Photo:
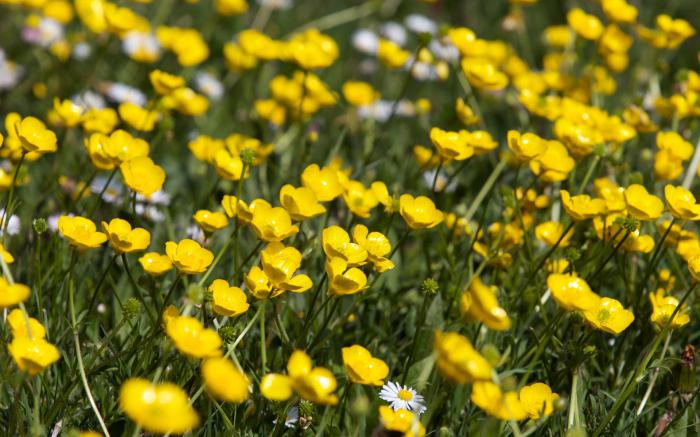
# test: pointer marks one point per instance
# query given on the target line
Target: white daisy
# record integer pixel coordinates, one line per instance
(402, 397)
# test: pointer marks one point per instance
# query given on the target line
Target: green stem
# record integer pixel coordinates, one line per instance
(485, 189)
(10, 197)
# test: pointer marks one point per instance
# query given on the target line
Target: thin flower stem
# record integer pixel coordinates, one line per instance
(610, 255)
(101, 281)
(435, 178)
(589, 173)
(10, 197)
(263, 346)
(485, 189)
(125, 261)
(645, 398)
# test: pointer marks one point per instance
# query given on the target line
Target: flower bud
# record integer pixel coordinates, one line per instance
(40, 226)
(429, 286)
(131, 308)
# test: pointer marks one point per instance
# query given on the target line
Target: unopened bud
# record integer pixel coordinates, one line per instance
(40, 225)
(131, 308)
(429, 286)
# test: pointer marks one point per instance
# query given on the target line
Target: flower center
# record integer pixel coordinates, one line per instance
(603, 315)
(405, 395)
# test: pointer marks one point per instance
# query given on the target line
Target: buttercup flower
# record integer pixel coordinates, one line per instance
(80, 232)
(226, 300)
(155, 264)
(18, 322)
(142, 175)
(401, 421)
(537, 400)
(12, 294)
(681, 203)
(402, 397)
(123, 238)
(32, 355)
(642, 205)
(609, 316)
(581, 207)
(587, 26)
(572, 293)
(159, 408)
(376, 244)
(483, 74)
(451, 145)
(193, 339)
(300, 202)
(272, 224)
(223, 379)
(343, 279)
(336, 243)
(165, 83)
(188, 256)
(551, 232)
(480, 303)
(457, 359)
(210, 221)
(323, 182)
(526, 146)
(419, 212)
(34, 136)
(280, 264)
(663, 306)
(315, 384)
(362, 367)
(505, 406)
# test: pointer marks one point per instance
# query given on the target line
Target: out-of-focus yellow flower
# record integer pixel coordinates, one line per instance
(676, 30)
(377, 246)
(465, 113)
(401, 421)
(300, 203)
(362, 367)
(681, 203)
(537, 400)
(358, 93)
(550, 232)
(587, 26)
(425, 157)
(193, 339)
(315, 384)
(323, 182)
(187, 44)
(80, 232)
(642, 205)
(505, 406)
(639, 119)
(558, 36)
(205, 147)
(526, 147)
(675, 144)
(226, 300)
(480, 303)
(343, 279)
(155, 264)
(188, 256)
(123, 238)
(165, 83)
(481, 141)
(223, 379)
(32, 355)
(663, 306)
(450, 144)
(228, 8)
(6, 255)
(158, 408)
(210, 221)
(100, 120)
(611, 193)
(34, 136)
(107, 152)
(138, 118)
(238, 59)
(579, 138)
(457, 359)
(18, 325)
(228, 166)
(12, 294)
(571, 292)
(186, 101)
(484, 74)
(554, 164)
(142, 175)
(68, 113)
(311, 49)
(272, 223)
(391, 54)
(581, 207)
(609, 316)
(419, 212)
(619, 11)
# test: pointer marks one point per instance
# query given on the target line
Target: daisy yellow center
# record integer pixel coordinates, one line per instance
(405, 395)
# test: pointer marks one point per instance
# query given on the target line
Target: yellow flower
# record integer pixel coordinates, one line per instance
(311, 49)
(620, 11)
(451, 145)
(336, 243)
(258, 284)
(481, 141)
(360, 199)
(457, 359)
(237, 208)
(210, 221)
(123, 238)
(483, 74)
(280, 264)
(187, 44)
(272, 224)
(505, 406)
(34, 136)
(609, 316)
(425, 157)
(32, 355)
(80, 232)
(68, 113)
(158, 408)
(12, 294)
(193, 339)
(343, 279)
(419, 212)
(681, 203)
(315, 384)
(377, 246)
(480, 303)
(465, 113)
(323, 182)
(676, 30)
(587, 26)
(231, 7)
(581, 207)
(186, 101)
(611, 193)
(96, 120)
(537, 400)
(525, 147)
(165, 83)
(362, 367)
(554, 164)
(677, 147)
(223, 379)
(18, 325)
(226, 300)
(391, 54)
(663, 306)
(188, 256)
(642, 205)
(401, 421)
(300, 203)
(138, 118)
(572, 293)
(550, 232)
(107, 152)
(358, 93)
(155, 264)
(142, 175)
(228, 166)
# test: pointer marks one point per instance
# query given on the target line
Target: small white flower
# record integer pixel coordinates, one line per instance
(394, 32)
(209, 85)
(365, 41)
(13, 225)
(402, 397)
(141, 44)
(88, 100)
(112, 193)
(276, 4)
(121, 93)
(81, 51)
(420, 24)
(442, 179)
